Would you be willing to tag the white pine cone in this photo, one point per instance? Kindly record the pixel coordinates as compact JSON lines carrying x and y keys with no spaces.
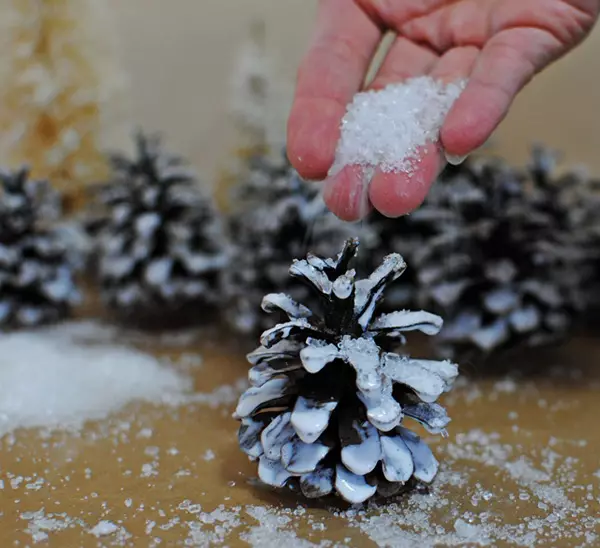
{"x":329,"y":396}
{"x":36,"y":269}
{"x":502,"y":254}
{"x":159,"y":240}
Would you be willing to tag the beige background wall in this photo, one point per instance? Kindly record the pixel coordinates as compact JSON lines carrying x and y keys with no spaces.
{"x":179,"y":55}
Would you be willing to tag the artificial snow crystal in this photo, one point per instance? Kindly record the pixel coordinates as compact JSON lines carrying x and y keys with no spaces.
{"x":386,"y":128}
{"x":104,"y":528}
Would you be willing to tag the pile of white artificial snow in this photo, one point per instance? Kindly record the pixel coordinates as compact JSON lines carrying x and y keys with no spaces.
{"x":61,"y":377}
{"x":386,"y":128}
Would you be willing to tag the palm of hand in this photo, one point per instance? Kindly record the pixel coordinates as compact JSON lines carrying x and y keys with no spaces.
{"x":497,"y":44}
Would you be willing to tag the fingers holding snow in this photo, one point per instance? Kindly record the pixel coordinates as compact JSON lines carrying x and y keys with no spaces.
{"x":398,"y":193}
{"x":346,"y":193}
{"x":353,"y":192}
{"x":388,"y":154}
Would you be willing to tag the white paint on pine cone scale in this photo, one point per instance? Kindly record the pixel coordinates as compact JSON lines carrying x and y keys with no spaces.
{"x":386,"y":128}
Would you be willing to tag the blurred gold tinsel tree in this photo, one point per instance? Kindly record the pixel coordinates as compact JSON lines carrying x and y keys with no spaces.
{"x":62,"y":97}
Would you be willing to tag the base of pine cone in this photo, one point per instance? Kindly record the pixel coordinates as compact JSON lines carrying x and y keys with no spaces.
{"x":49,"y":315}
{"x":591,"y":316}
{"x":292,"y":494}
{"x":383,"y":495}
{"x":161,"y":318}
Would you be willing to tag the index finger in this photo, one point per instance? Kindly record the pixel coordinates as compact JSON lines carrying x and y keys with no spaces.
{"x":331,"y":73}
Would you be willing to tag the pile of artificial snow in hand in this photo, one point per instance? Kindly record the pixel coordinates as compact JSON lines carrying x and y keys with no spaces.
{"x":386,"y":128}
{"x":53,"y":378}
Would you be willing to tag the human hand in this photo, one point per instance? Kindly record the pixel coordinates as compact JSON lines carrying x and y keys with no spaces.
{"x":499,"y":45}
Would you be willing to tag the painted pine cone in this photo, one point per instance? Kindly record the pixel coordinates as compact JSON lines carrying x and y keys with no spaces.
{"x":502,"y":261}
{"x":36,"y":273}
{"x":328,"y":397}
{"x":160,"y":241}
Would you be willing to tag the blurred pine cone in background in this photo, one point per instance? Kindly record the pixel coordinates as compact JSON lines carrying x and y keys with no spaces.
{"x":159,"y":240}
{"x":278,"y":218}
{"x":36,"y":269}
{"x":503,"y":254}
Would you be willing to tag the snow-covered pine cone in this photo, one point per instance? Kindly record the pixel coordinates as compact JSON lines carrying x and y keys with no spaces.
{"x":504,"y":264}
{"x":571,"y":199}
{"x":160,"y":244}
{"x":279,"y":217}
{"x":328,"y":397}
{"x":407,"y":234}
{"x":36,"y":274}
